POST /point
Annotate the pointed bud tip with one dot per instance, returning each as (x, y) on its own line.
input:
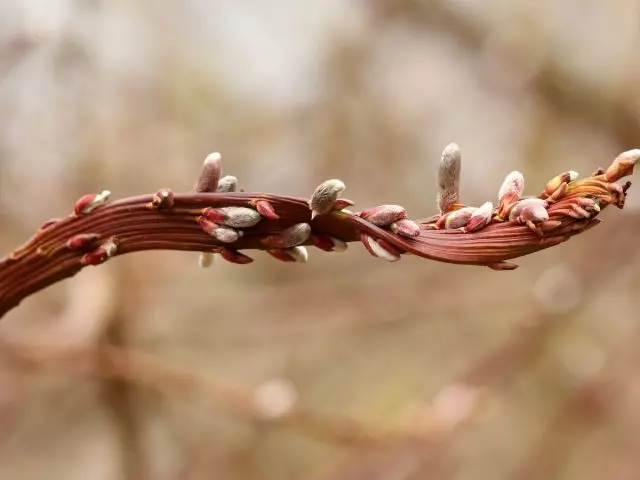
(300, 254)
(214, 157)
(631, 155)
(573, 175)
(451, 150)
(205, 260)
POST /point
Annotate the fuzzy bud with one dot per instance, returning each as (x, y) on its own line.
(235, 256)
(291, 237)
(324, 197)
(530, 210)
(227, 184)
(240, 217)
(406, 228)
(265, 208)
(384, 215)
(510, 192)
(328, 243)
(449, 178)
(299, 254)
(378, 249)
(226, 234)
(88, 203)
(162, 199)
(533, 204)
(210, 174)
(622, 166)
(455, 219)
(83, 241)
(236, 217)
(480, 218)
(206, 259)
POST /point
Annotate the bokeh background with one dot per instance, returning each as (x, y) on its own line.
(346, 367)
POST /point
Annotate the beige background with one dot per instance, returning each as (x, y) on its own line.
(531, 374)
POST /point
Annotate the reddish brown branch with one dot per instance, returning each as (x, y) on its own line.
(174, 222)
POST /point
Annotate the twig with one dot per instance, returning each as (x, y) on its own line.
(138, 369)
(228, 222)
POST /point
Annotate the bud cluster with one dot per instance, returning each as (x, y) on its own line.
(565, 198)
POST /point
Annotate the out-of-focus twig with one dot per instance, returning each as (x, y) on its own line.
(111, 362)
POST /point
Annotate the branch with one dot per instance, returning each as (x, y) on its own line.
(226, 222)
(140, 370)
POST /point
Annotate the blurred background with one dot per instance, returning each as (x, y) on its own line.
(346, 367)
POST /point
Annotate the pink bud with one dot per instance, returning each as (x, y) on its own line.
(235, 256)
(555, 183)
(100, 254)
(559, 192)
(384, 215)
(265, 209)
(207, 225)
(406, 228)
(210, 174)
(623, 165)
(328, 243)
(291, 237)
(215, 215)
(324, 197)
(296, 254)
(88, 203)
(82, 241)
(533, 212)
(163, 199)
(589, 204)
(510, 192)
(532, 204)
(456, 219)
(227, 184)
(581, 211)
(378, 249)
(342, 203)
(480, 218)
(281, 255)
